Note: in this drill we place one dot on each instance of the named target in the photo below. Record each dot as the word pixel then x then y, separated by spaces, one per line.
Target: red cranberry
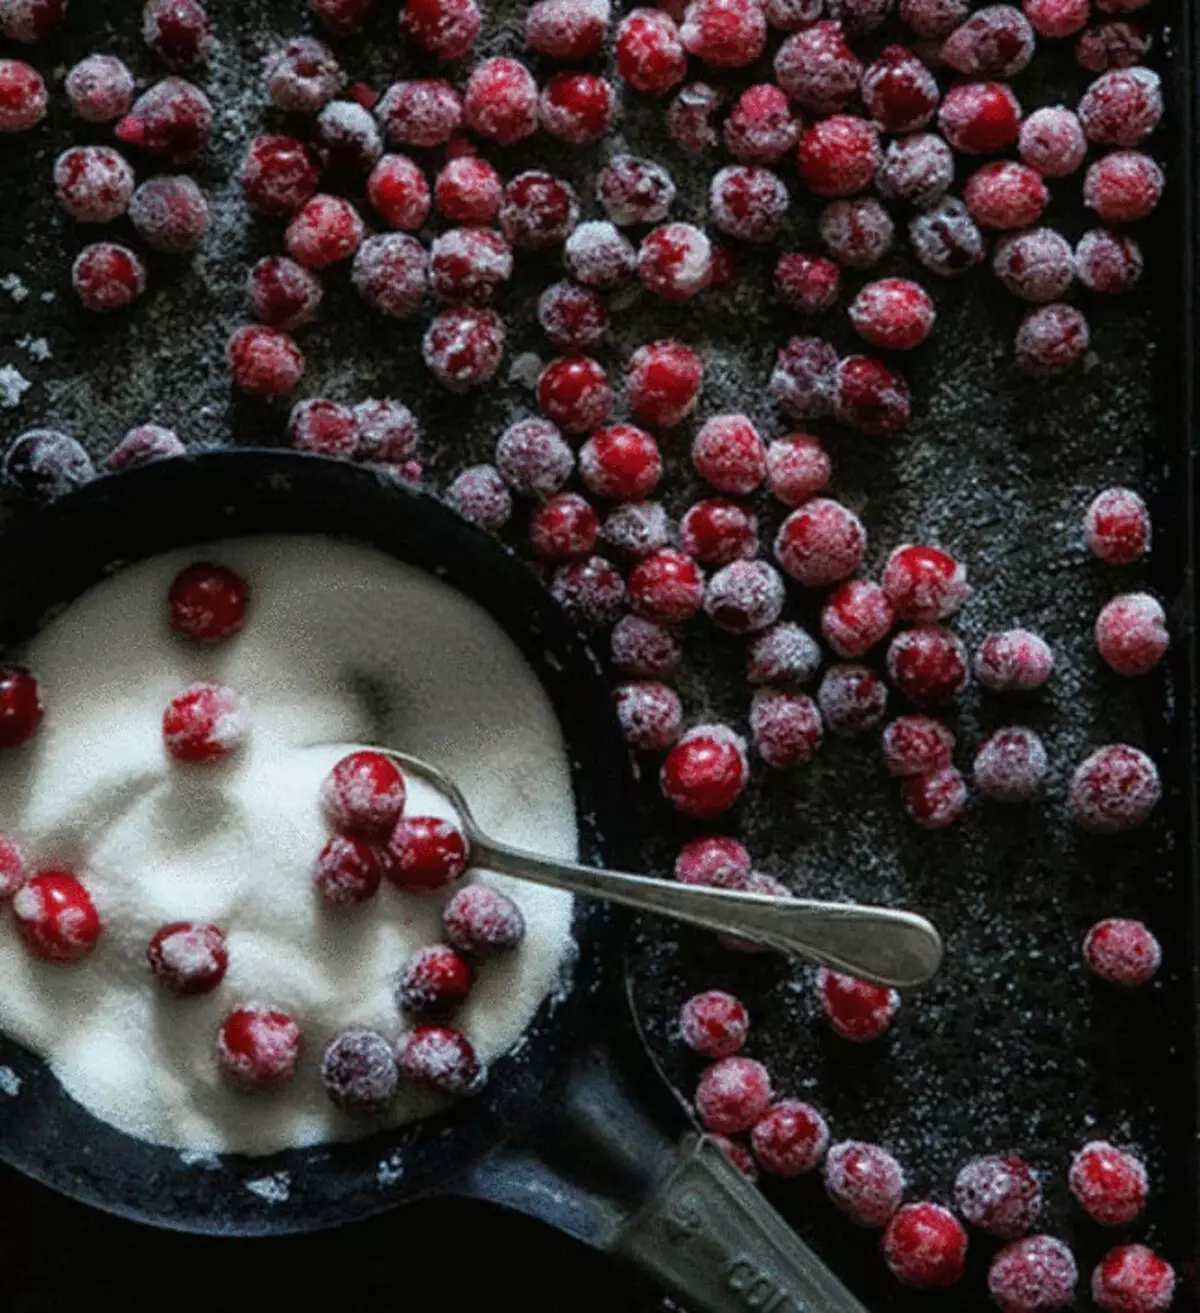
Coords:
pixel 23 96
pixel 538 211
pixel 714 1024
pixel 481 922
pixel 1011 765
pixel 1133 1279
pixel 326 231
pixel 283 294
pixel 918 169
pixel 916 745
pixel 573 318
pixel 718 532
pixel 391 274
pixel 900 93
pixel 894 314
pixel 820 543
pixel 567 30
pixel 650 715
pixel 424 112
pixel 927 664
pixel 360 1072
pixel 141 445
pixel 663 382
pixel 1131 634
pixel 724 33
pixel 28 21
pixel 93 183
pixel 1122 952
pixel 946 240
pixel 56 918
pixel 1123 187
pixel 348 871
pixel 170 214
pixel 786 656
pixel 177 32
pixel 388 432
pixel 808 283
pixel 667 586
pixel 425 854
pixel 798 467
pixel 856 616
pixel 1056 18
pixel 839 156
pixel 858 233
pixel 870 397
pixel 1051 340
pixel 1001 1196
pixel 732 1095
pixel 1006 195
pixel 1052 142
pixel 399 193
pixel 715 861
pixel 445 29
pixel 1108 262
pixel 675 261
pixel 1122 108
pixel 853 700
pixel 980 118
pixel 468 190
pixel 645 649
pixel 744 597
pixel 173 119
pixel 43 464
pixel 278 175
pixel 856 1010
pixel 925 1246
pixel 563 528
pixel 364 794
pixel 1113 790
pixel 790 1138
pixel 649 52
pixel 20 706
pixel 573 392
pixel 933 19
pixel 348 141
pixel 864 1181
pixel 729 454
pixel 761 128
pixel 264 362
pixel 462 347
pixel 258 1048
pixel 633 190
pixel 434 981
pixel 533 459
pixel 1037 265
pixel 691 117
pixel 591 592
pixel 577 107
pixel 208 602
pixel 995 42
pixel 188 959
pixel 1013 661
pixel 597 254
pixel 705 772
pixel 441 1059
pixel 1033 1275
pixel 469 265
pixel 934 801
pixel 303 76
pixel 804 379
pixel 500 103
pixel 786 727
pixel 924 583
pixel 817 69
pixel 108 277
pixel 747 202
pixel 343 17
pixel 621 462
pixel 1113 44
pixel 205 723
pixel 100 89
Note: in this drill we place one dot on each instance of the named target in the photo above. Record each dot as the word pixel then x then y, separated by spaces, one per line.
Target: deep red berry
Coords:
pixel 856 616
pixel 462 347
pixel 925 1246
pixel 732 1095
pixel 1052 141
pixel 1113 790
pixel 423 112
pixel 577 107
pixel 1122 952
pixel 108 277
pixel 591 592
pixel 621 462
pixel 645 649
pixel 481 922
pixel 567 30
pixel 23 96
pixel 278 175
pixel 927 664
pixel 1131 634
pixel 1107 262
pixel 1011 765
pixel 348 871
pixel 1113 44
pixel 177 32
pixel 663 381
pixel 573 392
pixel 434 981
pixel 667 586
pixel 715 861
pixel 364 794
pixel 649 52
pixel 1122 108
pixel 258 1048
pixel 1013 661
pixel 820 543
pixel 1006 195
pixel 1133 1279
pixel 675 261
pixel 729 454
pixel 303 76
pixel 870 397
pixel 705 772
pixel 468 190
pixel 1037 265
pixel 894 314
pixel 469 265
pixel 1001 1196
pixel 563 528
pixel 324 232
pixel 500 103
pixel 761 129
pixel 1123 187
pixel 724 33
pixel 691 117
pixel 719 531
pixel 100 89
pixel 263 361
pixel 934 801
pixel 856 1010
pixel 924 583
pixel 573 318
pixel 916 745
pixel 817 69
pixel 208 602
pixel 714 1024
pixel 343 17
pixel 538 211
pixel 173 118
pixel 55 917
pixel 1033 1276
pixel 808 283
pixel 650 715
pixel 790 1138
pixel 399 193
pixel 445 29
pixel 425 853
pixel 900 93
pixel 839 156
pixel 945 239
pixel 283 294
pixel 995 42
pixel 804 379
pixel 93 183
pixel 441 1059
pixel 786 728
pixel 864 1181
pixel 205 723
pixel 188 959
pixel 852 699
pixel 1051 340
pixel 20 706
pixel 980 118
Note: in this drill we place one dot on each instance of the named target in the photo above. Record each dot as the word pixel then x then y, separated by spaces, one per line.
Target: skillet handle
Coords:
pixel 710 1237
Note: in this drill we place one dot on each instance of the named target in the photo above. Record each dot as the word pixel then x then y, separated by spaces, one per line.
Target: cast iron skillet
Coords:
pixel 575 1128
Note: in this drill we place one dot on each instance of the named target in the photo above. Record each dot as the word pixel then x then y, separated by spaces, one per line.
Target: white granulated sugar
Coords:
pixel 390 1170
pixel 342 645
pixel 37 348
pixel 10 1082
pixel 275 1189
pixel 13 386
pixel 13 285
pixel 526 369
pixel 203 1158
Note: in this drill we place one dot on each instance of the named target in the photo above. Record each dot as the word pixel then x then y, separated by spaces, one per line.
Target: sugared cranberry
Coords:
pixel 434 981
pixel 852 699
pixel 1123 187
pixel 177 32
pixel 187 958
pixel 391 274
pixel 43 464
pixel 107 277
pixel 645 649
pixel 1037 265
pixel 744 597
pixel 691 117
pixel 1122 108
pixel 538 211
pixel 264 362
pixel 1113 44
pixel 343 17
pixel 900 93
pixel 573 393
pixel 563 528
pixel 573 318
pixel 388 432
pixel 469 265
pixel 303 76
pixel 28 21
pixel 1113 790
pixel 621 462
pixel 663 382
pixel 724 33
pixel 675 261
pixel 141 445
pixel 462 347
pixel 817 69
pixel 364 794
pixel 359 1072
pixel 598 254
pixel 946 240
pixel 839 156
pixel 858 233
pixel 1108 262
pixel 424 112
pixel 705 772
pixel 925 1246
pixel 864 1181
pixel 786 727
pixel 1116 527
pixel 208 602
pixel 1033 1275
pixel 500 103
pixel 1122 952
pixel 1014 661
pixel 324 232
pixel 533 459
pixel 1131 634
pixel 924 583
pixel 1001 1196
pixel 1133 1279
pixel 804 379
pixel 23 96
pixel 468 190
pixel 445 29
pixel 790 1138
pixel 348 871
pixel 715 861
pixel 567 30
pixel 100 89
pixel 934 801
pixel 591 592
pixel 732 1095
pixel 1052 141
pixel 761 128
pixel 786 656
pixel 649 52
pixel 1011 765
pixel 856 1010
pixel 633 190
pixel 917 169
pixel 1051 340
pixel 798 467
pixel 719 531
pixel 729 454
pixel 933 19
pixel 577 107
pixel 1056 18
pixel 995 42
pixel 747 202
pixel 916 745
pixel 650 715
pixel 856 616
pixel 808 283
pixel 425 854
pixel 399 193
pixel 347 139
pixel 205 723
pixel 894 313
pixel 258 1048
pixel 980 118
pixel 870 397
pixel 283 294
pixel 927 664
pixel 441 1059
pixel 20 706
pixel 667 587
pixel 170 214
pixel 173 118
pixel 1006 195
pixel 714 1024
pixel 481 922
pixel 278 175
pixel 820 543
pixel 637 530
pixel 56 918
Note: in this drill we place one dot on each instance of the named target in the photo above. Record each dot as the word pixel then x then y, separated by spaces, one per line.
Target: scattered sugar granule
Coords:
pixel 275 1189
pixel 13 386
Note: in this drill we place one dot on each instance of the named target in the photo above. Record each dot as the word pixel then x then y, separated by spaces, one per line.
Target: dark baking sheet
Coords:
pixel 1014 1048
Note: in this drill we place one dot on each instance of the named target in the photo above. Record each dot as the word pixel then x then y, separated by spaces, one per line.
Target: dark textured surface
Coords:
pixel 1014 1048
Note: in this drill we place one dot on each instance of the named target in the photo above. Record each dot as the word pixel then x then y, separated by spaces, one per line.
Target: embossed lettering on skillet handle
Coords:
pixel 710 1237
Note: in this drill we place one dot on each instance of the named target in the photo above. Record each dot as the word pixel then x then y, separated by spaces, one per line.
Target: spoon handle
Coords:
pixel 873 943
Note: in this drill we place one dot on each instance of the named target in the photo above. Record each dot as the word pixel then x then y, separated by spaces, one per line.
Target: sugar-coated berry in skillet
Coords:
pixel 899 91
pixel 1011 765
pixel 567 30
pixel 302 75
pixel 645 649
pixel 573 392
pixel 21 708
pixel 729 454
pixel 650 715
pixel 441 1059
pixel 445 29
pixel 714 1024
pixel 798 467
pixel 927 664
pixel 738 1155
pixel 856 1009
pixel 1005 195
pixel 924 583
pixel 108 277
pixel 980 118
pixel 93 183
pixel 1108 262
pixel 55 917
pixel 706 772
pixel 359 1072
pixel 1122 952
pixel 804 379
pixel 591 591
pixel 177 32
pixel 28 21
pixel 1116 527
pixel 208 602
pixel 839 156
pixel 790 1138
pixel 995 42
pixel 574 318
pixel 205 723
pixel 1122 108
pixel 170 214
pixel 391 274
pixel 12 867
pixel 786 728
pixel 870 397
pixel 864 1181
pixel 1033 1275
pixel 690 119
pixel 668 587
pixel 1123 187
pixel 916 745
pixel 894 314
pixel 388 432
pixel 808 283
pixel 187 958
pixel 999 1195
pixel 597 254
pixel 945 239
pixel 675 261
pixel 820 543
pixel 786 656
pixel 424 854
pixel 258 1048
pixel 714 860
pixel 817 68
pixel 563 528
pixel 364 794
pixel 23 96
pixel 283 294
pixel 100 89
pixel 1114 790
pixel 934 801
pixel 423 112
pixel 1057 18
pixel 174 118
pixel 325 428
pixel 855 617
pixel 918 169
pixel 1112 44
pixel 1052 141
pixel 1110 1184
pixel 348 870
pixel 348 140
pixel 724 33
pixel 577 107
pixel 468 190
pixel 469 265
pixel 1131 634
pixel 325 231
pixel 1036 265
pixel 481 922
pixel 649 52
pixel 621 462
pixel 925 1246
pixel 858 233
pixel 718 531
pixel 632 190
pixel 747 201
pixel 399 193
pixel 663 381
pixel 732 1095
pixel 43 464
pixel 462 347
pixel 533 458
pixel 933 19
pixel 434 981
pixel 1013 661
pixel 744 597
pixel 1133 1279
pixel 264 362
pixel 853 700
pixel 761 129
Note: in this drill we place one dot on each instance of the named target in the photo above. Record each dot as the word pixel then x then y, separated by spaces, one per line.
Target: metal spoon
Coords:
pixel 873 943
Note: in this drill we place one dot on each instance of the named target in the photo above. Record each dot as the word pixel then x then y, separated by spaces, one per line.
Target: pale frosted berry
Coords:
pixel 945 239
pixel 786 657
pixel 704 775
pixel 995 42
pixel 141 445
pixel 859 17
pixel 1011 765
pixel 894 314
pixel 900 93
pixel 1123 187
pixel 786 727
pixel 820 543
pixel 174 118
pixel 1114 790
pixel 637 529
pixel 798 467
pixel 481 922
pixel 633 190
pixel 424 112
pixel 445 29
pixel 1013 661
pixel 856 1009
pixel 348 140
pixel 1051 340
pixel 761 129
pixel 1122 952
pixel 469 265
pixel 729 454
pixel 1116 527
pixel 620 462
pixel 500 103
pixel 1006 195
pixel 93 183
pixel 649 51
pixel 591 592
pixel 538 211
pixel 675 261
pixel 573 318
pixel 870 397
pixel 864 1181
pixel 732 1095
pixel 462 347
pixel 925 1246
pixel 933 19
pixel 100 89
pixel 108 277
pixel 480 495
pixel 359 1072
pixel 980 118
pixel 1133 1279
pixel 388 432
pixel 1122 108
pixel 23 96
pixel 468 190
pixel 667 586
pixel 278 175
pixel 1056 18
pixel 747 201
pixel 598 255
pixel 744 597
pixel 924 583
pixel 714 1024
pixel 858 233
pixel 927 664
pixel 170 214
pixel 28 21
pixel 808 283
pixel 918 169
pixel 790 1138
pixel 441 1059
pixel 44 464
pixel 533 458
pixel 567 30
pixel 856 617
pixel 324 427
pixel 303 76
pixel 724 33
pixel 804 379
pixel 342 17
pixel 1052 141
pixel 1112 44
pixel 663 382
pixel 283 294
pixel 177 32
pixel 1037 265
pixel 852 699
pixel 650 715
pixel 645 649
pixel 1131 634
pixel 916 745
pixel 839 156
pixel 817 69
pixel 713 860
pixel 325 231
pixel 1001 1196
pixel 205 723
pixel 577 107
pixel 1107 262
pixel 391 274
pixel 1033 1275
pixel 691 117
